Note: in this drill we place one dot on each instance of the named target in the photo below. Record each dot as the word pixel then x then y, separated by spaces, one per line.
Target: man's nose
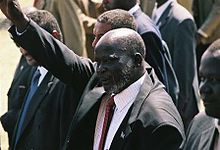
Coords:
pixel 205 87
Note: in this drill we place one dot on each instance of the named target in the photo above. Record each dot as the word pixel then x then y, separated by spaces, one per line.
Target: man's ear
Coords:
pixel 138 59
pixel 56 34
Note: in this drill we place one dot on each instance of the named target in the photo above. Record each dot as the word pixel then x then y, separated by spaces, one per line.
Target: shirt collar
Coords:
pixel 134 9
pixel 43 72
pixel 160 10
pixel 128 95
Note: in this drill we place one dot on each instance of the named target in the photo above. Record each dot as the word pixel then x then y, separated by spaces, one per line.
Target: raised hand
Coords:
pixel 12 10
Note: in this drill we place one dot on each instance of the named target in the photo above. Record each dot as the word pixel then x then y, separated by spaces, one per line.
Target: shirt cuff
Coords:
pixel 202 33
pixel 21 33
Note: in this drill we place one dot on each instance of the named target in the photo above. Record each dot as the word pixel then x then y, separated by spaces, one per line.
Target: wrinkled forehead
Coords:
pixel 105 47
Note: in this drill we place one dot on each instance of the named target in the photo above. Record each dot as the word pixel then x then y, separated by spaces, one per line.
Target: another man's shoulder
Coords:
pixel 202 121
pixel 161 110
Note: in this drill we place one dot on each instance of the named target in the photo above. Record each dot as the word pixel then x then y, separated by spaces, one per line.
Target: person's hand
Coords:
pixel 12 10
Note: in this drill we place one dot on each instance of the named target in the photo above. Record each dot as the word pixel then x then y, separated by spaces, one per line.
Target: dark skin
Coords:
pixel 116 68
pixel 210 83
pixel 12 10
pixel 118 4
pixel 107 69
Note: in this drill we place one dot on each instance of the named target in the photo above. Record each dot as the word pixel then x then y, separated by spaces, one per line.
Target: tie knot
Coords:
pixel 36 74
pixel 110 102
pixel 35 78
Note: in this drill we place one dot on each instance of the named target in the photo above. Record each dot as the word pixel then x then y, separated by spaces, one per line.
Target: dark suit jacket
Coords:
pixel 152 122
pixel 48 116
pixel 16 94
pixel 157 54
pixel 178 29
pixel 201 133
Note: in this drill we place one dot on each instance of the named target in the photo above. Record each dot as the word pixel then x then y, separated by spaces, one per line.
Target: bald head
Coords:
pixel 123 39
pixel 213 50
pixel 210 80
pixel 120 59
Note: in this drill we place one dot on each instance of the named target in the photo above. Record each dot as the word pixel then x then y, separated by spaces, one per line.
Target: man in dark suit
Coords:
pixel 148 117
pixel 178 29
pixel 16 95
pixel 17 91
pixel 157 54
pixel 50 110
pixel 204 130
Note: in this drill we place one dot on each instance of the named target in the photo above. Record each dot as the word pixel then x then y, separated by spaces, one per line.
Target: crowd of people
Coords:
pixel 114 74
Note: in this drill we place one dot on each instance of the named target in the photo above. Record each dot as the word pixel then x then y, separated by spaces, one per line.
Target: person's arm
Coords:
pixel 49 52
pixel 54 55
pixel 211 24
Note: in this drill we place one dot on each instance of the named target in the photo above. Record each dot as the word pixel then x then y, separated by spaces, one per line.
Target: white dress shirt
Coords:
pixel 157 12
pixel 123 102
pixel 43 72
pixel 134 9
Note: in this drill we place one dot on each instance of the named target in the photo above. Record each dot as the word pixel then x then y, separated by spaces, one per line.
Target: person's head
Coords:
pixel 120 59
pixel 112 19
pixel 46 21
pixel 119 4
pixel 210 79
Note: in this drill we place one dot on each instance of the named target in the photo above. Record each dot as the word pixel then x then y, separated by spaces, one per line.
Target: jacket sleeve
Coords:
pixel 212 22
pixel 55 56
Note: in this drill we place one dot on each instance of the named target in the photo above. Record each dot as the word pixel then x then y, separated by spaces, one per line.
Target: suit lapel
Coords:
pixel 144 91
pixel 207 137
pixel 37 98
pixel 125 128
pixel 165 16
pixel 87 102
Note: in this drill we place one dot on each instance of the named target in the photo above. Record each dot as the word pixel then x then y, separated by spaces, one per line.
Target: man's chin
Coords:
pixel 111 89
pixel 108 89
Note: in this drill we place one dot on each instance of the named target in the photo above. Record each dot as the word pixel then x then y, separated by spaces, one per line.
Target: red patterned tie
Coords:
pixel 107 120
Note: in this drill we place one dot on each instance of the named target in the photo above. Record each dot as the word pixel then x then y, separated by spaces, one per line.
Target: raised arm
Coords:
pixel 49 52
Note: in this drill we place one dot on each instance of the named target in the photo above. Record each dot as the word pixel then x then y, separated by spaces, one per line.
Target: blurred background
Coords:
pixel 9 57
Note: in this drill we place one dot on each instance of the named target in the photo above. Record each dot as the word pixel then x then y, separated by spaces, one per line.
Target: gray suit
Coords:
pixel 201 133
pixel 178 29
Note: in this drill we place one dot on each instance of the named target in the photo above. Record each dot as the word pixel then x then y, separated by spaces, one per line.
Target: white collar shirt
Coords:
pixel 134 9
pixel 43 72
pixel 157 12
pixel 123 102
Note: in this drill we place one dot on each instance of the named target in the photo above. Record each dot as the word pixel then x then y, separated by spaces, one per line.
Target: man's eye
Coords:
pixel 213 79
pixel 109 60
pixel 210 79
